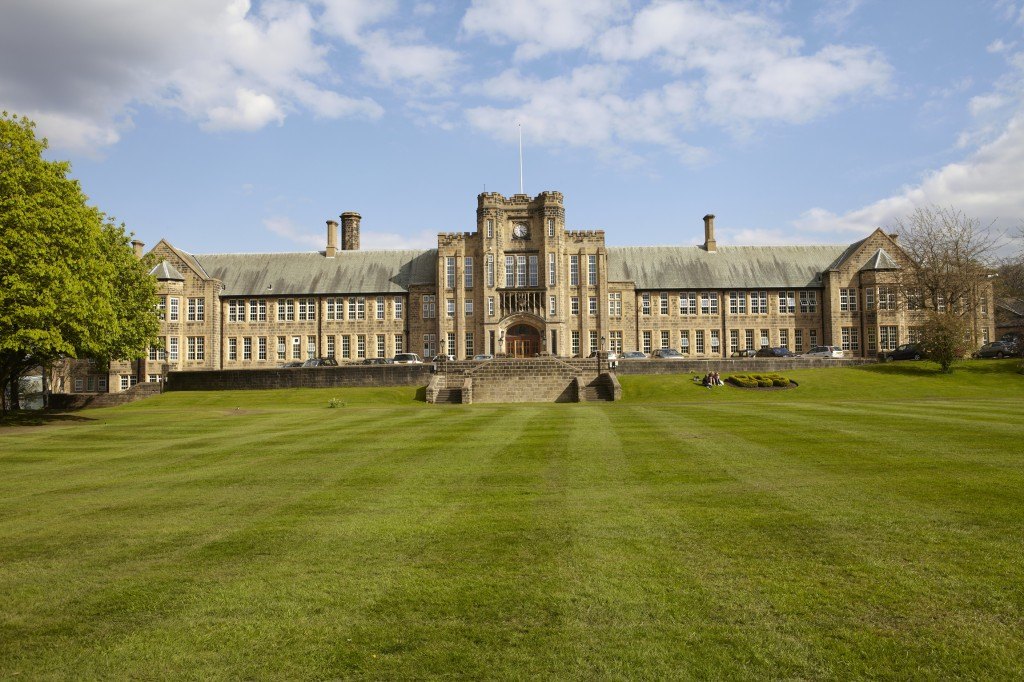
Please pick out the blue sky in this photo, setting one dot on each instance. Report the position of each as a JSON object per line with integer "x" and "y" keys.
{"x": 227, "y": 125}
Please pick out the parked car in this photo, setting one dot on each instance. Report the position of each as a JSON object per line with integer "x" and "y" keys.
{"x": 995, "y": 349}
{"x": 483, "y": 356}
{"x": 378, "y": 361}
{"x": 441, "y": 357}
{"x": 779, "y": 352}
{"x": 291, "y": 365}
{"x": 1014, "y": 340}
{"x": 611, "y": 356}
{"x": 320, "y": 362}
{"x": 745, "y": 353}
{"x": 634, "y": 355}
{"x": 824, "y": 352}
{"x": 906, "y": 351}
{"x": 407, "y": 359}
{"x": 668, "y": 354}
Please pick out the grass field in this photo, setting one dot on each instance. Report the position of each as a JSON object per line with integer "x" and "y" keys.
{"x": 869, "y": 523}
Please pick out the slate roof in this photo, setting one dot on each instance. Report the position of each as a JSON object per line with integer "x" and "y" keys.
{"x": 880, "y": 261}
{"x": 740, "y": 267}
{"x": 1013, "y": 305}
{"x": 166, "y": 271}
{"x": 356, "y": 272}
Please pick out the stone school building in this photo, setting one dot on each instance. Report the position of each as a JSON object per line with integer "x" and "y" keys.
{"x": 520, "y": 284}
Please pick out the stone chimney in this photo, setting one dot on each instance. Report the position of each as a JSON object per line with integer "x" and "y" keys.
{"x": 709, "y": 233}
{"x": 137, "y": 247}
{"x": 350, "y": 231}
{"x": 895, "y": 236}
{"x": 332, "y": 238}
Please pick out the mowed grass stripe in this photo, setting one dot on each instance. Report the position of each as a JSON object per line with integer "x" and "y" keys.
{"x": 863, "y": 525}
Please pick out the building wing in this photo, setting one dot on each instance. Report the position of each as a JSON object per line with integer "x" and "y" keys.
{"x": 740, "y": 267}
{"x": 350, "y": 272}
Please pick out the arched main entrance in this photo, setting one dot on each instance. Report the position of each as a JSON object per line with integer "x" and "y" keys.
{"x": 522, "y": 341}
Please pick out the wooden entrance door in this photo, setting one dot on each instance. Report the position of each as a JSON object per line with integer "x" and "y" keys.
{"x": 522, "y": 341}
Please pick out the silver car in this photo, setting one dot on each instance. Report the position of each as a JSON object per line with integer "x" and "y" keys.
{"x": 824, "y": 352}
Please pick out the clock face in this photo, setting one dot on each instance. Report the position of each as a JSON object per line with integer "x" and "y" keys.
{"x": 520, "y": 231}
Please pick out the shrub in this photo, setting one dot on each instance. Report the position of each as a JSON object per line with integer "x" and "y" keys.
{"x": 335, "y": 402}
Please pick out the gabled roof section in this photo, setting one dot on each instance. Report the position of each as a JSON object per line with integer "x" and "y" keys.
{"x": 165, "y": 271}
{"x": 350, "y": 272}
{"x": 880, "y": 261}
{"x": 847, "y": 252}
{"x": 740, "y": 267}
{"x": 187, "y": 258}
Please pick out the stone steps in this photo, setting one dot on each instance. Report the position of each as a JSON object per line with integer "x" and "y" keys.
{"x": 449, "y": 395}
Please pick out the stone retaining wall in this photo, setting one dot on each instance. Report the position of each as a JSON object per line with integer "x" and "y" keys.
{"x": 299, "y": 377}
{"x": 721, "y": 365}
{"x": 77, "y": 401}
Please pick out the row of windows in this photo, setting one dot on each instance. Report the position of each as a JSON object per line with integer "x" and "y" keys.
{"x": 168, "y": 349}
{"x": 169, "y": 308}
{"x": 305, "y": 309}
{"x": 520, "y": 271}
{"x": 740, "y": 302}
{"x": 708, "y": 341}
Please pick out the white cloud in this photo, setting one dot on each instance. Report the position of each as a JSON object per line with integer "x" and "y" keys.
{"x": 836, "y": 13}
{"x": 250, "y": 111}
{"x": 390, "y": 57}
{"x": 985, "y": 185}
{"x": 712, "y": 66}
{"x": 81, "y": 68}
{"x": 284, "y": 227}
{"x": 583, "y": 109}
{"x": 747, "y": 68}
{"x": 541, "y": 26}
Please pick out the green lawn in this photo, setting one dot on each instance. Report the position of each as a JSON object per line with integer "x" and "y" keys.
{"x": 869, "y": 523}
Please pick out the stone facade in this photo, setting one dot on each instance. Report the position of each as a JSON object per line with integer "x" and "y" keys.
{"x": 522, "y": 284}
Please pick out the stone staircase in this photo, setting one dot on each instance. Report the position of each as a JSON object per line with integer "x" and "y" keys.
{"x": 520, "y": 380}
{"x": 452, "y": 396}
{"x": 597, "y": 390}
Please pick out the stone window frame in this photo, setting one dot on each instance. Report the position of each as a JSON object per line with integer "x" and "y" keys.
{"x": 574, "y": 305}
{"x": 787, "y": 301}
{"x": 467, "y": 272}
{"x": 196, "y": 309}
{"x": 232, "y": 348}
{"x": 809, "y": 301}
{"x": 173, "y": 310}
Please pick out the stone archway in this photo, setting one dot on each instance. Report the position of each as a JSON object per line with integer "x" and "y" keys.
{"x": 522, "y": 341}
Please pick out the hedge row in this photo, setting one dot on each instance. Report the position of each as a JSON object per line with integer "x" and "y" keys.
{"x": 758, "y": 380}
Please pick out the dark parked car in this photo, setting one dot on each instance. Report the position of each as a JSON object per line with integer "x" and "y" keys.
{"x": 378, "y": 361}
{"x": 907, "y": 351}
{"x": 745, "y": 353}
{"x": 996, "y": 349}
{"x": 780, "y": 352}
{"x": 291, "y": 365}
{"x": 320, "y": 362}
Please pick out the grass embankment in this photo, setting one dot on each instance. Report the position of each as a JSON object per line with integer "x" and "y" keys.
{"x": 867, "y": 524}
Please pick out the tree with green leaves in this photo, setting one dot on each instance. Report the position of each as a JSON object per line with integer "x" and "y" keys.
{"x": 70, "y": 285}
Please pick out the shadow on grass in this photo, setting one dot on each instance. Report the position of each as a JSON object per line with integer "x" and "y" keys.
{"x": 39, "y": 418}
{"x": 421, "y": 394}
